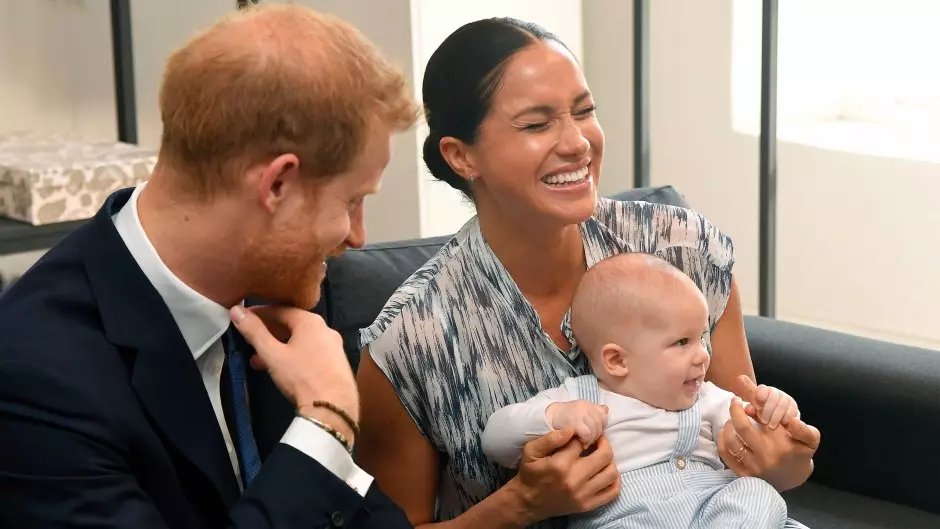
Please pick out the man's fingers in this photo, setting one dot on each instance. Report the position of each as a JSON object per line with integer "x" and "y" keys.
{"x": 258, "y": 363}
{"x": 282, "y": 321}
{"x": 548, "y": 444}
{"x": 253, "y": 330}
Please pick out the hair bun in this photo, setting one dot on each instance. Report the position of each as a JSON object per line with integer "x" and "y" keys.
{"x": 460, "y": 79}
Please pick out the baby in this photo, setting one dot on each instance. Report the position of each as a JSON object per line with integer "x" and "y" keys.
{"x": 643, "y": 325}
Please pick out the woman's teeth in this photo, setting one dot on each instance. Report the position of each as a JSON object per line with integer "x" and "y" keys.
{"x": 567, "y": 178}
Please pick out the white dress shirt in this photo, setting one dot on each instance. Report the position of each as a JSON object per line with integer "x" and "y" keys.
{"x": 639, "y": 434}
{"x": 202, "y": 323}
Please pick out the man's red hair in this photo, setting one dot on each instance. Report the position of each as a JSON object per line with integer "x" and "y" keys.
{"x": 275, "y": 79}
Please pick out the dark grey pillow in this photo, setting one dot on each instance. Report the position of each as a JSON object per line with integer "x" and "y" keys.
{"x": 359, "y": 282}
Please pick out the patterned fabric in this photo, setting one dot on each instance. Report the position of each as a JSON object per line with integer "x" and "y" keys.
{"x": 685, "y": 491}
{"x": 47, "y": 178}
{"x": 458, "y": 340}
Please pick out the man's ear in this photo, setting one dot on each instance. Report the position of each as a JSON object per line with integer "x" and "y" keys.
{"x": 457, "y": 154}
{"x": 614, "y": 360}
{"x": 276, "y": 180}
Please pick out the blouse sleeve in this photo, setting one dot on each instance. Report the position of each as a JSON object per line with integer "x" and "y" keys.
{"x": 399, "y": 356}
{"x": 405, "y": 339}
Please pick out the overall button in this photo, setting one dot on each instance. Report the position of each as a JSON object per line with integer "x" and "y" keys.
{"x": 337, "y": 519}
{"x": 680, "y": 463}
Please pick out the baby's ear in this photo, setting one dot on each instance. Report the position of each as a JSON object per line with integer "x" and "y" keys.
{"x": 614, "y": 360}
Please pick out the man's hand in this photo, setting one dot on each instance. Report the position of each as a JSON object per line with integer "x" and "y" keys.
{"x": 588, "y": 420}
{"x": 304, "y": 357}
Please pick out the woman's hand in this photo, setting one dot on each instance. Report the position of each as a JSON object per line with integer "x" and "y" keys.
{"x": 588, "y": 420}
{"x": 783, "y": 456}
{"x": 770, "y": 406}
{"x": 555, "y": 480}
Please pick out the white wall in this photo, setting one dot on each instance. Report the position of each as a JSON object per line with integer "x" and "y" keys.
{"x": 56, "y": 68}
{"x": 608, "y": 66}
{"x": 53, "y": 55}
{"x": 395, "y": 212}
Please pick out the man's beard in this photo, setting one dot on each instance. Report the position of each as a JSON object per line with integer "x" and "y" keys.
{"x": 287, "y": 275}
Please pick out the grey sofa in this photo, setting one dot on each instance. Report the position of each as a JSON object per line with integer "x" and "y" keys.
{"x": 877, "y": 404}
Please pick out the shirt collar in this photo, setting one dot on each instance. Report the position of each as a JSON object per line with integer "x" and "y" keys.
{"x": 201, "y": 321}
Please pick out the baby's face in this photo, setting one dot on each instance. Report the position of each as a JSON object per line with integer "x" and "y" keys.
{"x": 668, "y": 361}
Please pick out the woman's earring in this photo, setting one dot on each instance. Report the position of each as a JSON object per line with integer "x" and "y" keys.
{"x": 471, "y": 178}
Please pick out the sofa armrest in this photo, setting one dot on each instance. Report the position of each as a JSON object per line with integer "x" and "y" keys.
{"x": 877, "y": 405}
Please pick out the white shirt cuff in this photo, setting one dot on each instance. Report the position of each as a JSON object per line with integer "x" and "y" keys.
{"x": 325, "y": 449}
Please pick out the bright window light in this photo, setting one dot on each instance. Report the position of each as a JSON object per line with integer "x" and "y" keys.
{"x": 852, "y": 75}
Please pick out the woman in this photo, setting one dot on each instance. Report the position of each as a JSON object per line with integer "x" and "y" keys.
{"x": 485, "y": 322}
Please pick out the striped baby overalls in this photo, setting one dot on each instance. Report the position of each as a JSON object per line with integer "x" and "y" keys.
{"x": 683, "y": 492}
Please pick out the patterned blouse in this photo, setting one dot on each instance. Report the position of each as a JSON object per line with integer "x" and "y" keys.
{"x": 458, "y": 340}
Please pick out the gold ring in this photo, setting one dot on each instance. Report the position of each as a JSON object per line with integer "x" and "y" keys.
{"x": 739, "y": 453}
{"x": 743, "y": 454}
{"x": 736, "y": 434}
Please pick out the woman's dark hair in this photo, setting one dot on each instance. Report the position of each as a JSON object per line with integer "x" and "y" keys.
{"x": 460, "y": 80}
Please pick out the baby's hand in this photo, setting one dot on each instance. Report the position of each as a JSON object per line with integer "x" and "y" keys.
{"x": 587, "y": 419}
{"x": 772, "y": 407}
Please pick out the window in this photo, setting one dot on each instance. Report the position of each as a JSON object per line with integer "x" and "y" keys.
{"x": 855, "y": 76}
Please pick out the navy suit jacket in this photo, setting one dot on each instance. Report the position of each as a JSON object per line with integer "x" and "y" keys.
{"x": 105, "y": 421}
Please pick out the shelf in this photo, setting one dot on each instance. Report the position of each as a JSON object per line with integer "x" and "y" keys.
{"x": 17, "y": 237}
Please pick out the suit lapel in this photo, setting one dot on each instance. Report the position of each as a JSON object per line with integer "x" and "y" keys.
{"x": 163, "y": 373}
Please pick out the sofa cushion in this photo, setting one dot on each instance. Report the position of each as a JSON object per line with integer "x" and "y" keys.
{"x": 822, "y": 507}
{"x": 359, "y": 282}
{"x": 876, "y": 403}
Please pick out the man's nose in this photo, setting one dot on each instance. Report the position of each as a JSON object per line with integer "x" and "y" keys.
{"x": 357, "y": 231}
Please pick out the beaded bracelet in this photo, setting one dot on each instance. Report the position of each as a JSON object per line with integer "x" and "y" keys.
{"x": 332, "y": 431}
{"x": 338, "y": 411}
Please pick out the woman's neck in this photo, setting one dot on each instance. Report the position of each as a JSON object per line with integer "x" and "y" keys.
{"x": 543, "y": 261}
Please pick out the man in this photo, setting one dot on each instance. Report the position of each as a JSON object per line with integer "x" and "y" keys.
{"x": 126, "y": 400}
